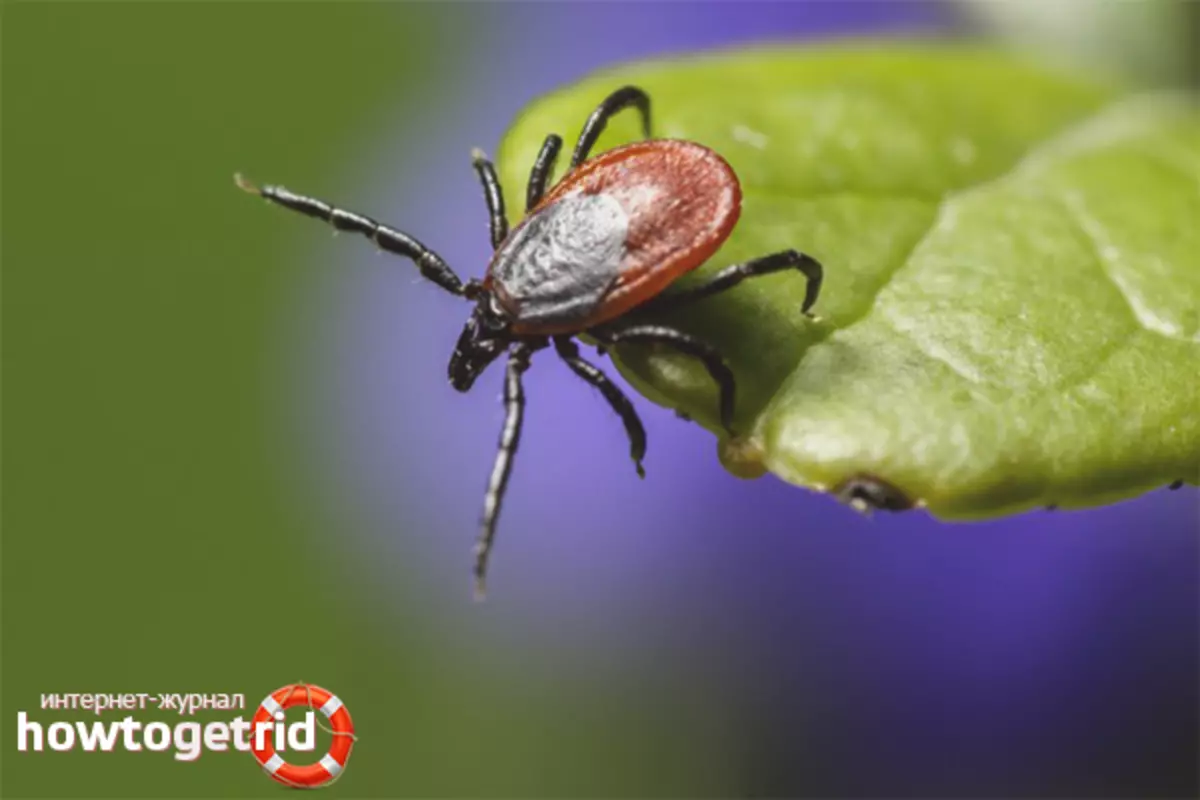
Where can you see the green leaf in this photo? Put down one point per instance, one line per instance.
(1011, 310)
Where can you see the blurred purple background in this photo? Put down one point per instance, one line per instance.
(1052, 653)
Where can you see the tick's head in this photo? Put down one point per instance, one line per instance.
(483, 339)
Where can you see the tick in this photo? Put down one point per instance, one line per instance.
(610, 237)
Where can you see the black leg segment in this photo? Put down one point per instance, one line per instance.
(569, 352)
(542, 167)
(657, 334)
(733, 275)
(510, 438)
(621, 99)
(491, 192)
(432, 265)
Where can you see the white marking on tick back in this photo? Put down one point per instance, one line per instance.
(559, 263)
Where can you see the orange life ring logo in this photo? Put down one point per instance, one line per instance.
(268, 722)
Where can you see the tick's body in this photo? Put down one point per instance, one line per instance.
(613, 234)
(610, 237)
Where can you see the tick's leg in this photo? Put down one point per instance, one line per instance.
(510, 437)
(432, 265)
(733, 275)
(491, 193)
(542, 167)
(620, 99)
(612, 393)
(657, 334)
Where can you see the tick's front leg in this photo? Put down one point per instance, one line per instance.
(431, 265)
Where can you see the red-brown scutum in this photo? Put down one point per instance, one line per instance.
(682, 200)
